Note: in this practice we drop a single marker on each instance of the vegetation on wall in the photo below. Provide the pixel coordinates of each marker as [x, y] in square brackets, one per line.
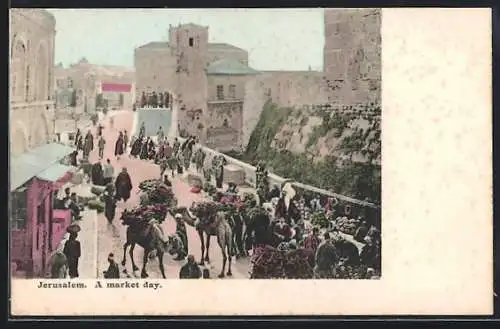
[271, 119]
[354, 179]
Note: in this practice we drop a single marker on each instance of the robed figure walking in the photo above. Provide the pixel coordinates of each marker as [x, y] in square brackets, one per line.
[119, 146]
[144, 150]
[89, 145]
[96, 174]
[125, 141]
[136, 148]
[123, 185]
[77, 137]
[109, 206]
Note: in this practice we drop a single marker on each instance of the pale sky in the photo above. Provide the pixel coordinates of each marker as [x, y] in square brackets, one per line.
[276, 39]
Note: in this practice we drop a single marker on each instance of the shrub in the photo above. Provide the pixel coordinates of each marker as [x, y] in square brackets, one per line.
[357, 180]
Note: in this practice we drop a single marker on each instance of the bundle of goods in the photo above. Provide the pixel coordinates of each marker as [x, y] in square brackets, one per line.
[96, 205]
[346, 225]
[230, 208]
[230, 198]
[203, 209]
[145, 213]
[353, 272]
[97, 190]
[195, 181]
[320, 219]
[156, 192]
[209, 189]
[84, 200]
[195, 189]
[271, 263]
[249, 197]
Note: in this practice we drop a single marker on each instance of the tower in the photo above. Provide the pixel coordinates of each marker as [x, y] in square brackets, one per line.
[190, 45]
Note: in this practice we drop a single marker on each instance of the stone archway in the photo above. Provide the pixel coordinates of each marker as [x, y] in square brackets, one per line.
[18, 67]
[41, 73]
[18, 139]
[39, 131]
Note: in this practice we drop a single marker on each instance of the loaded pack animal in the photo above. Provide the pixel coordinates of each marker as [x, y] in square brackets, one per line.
[149, 235]
[208, 224]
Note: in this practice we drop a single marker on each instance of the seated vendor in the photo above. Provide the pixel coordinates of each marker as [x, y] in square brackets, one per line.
[75, 207]
[231, 188]
[166, 181]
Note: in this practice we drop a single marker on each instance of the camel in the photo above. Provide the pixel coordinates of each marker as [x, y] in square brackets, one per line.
[149, 235]
[209, 227]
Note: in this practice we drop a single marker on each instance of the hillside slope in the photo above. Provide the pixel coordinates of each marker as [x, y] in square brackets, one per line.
[337, 149]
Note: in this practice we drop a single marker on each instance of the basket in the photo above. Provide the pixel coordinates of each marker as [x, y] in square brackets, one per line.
[195, 181]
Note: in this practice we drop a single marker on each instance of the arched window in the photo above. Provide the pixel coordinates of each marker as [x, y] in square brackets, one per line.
[41, 74]
[18, 70]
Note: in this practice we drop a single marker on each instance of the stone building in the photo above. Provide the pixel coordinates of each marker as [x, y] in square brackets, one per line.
[218, 98]
[206, 80]
[89, 80]
[227, 84]
[352, 55]
[210, 83]
[31, 53]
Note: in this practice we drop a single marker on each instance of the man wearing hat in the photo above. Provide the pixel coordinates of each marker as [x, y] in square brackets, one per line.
[72, 251]
[180, 230]
[190, 270]
[113, 272]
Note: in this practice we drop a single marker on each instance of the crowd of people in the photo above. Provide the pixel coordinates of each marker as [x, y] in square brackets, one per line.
[287, 224]
[156, 100]
[289, 227]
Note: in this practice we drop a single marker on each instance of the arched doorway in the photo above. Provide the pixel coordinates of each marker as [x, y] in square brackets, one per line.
[41, 73]
[18, 65]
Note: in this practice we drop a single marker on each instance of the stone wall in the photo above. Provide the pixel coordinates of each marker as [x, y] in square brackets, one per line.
[352, 55]
[293, 88]
[31, 52]
[285, 88]
[226, 81]
[154, 70]
[224, 122]
[250, 177]
[252, 108]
